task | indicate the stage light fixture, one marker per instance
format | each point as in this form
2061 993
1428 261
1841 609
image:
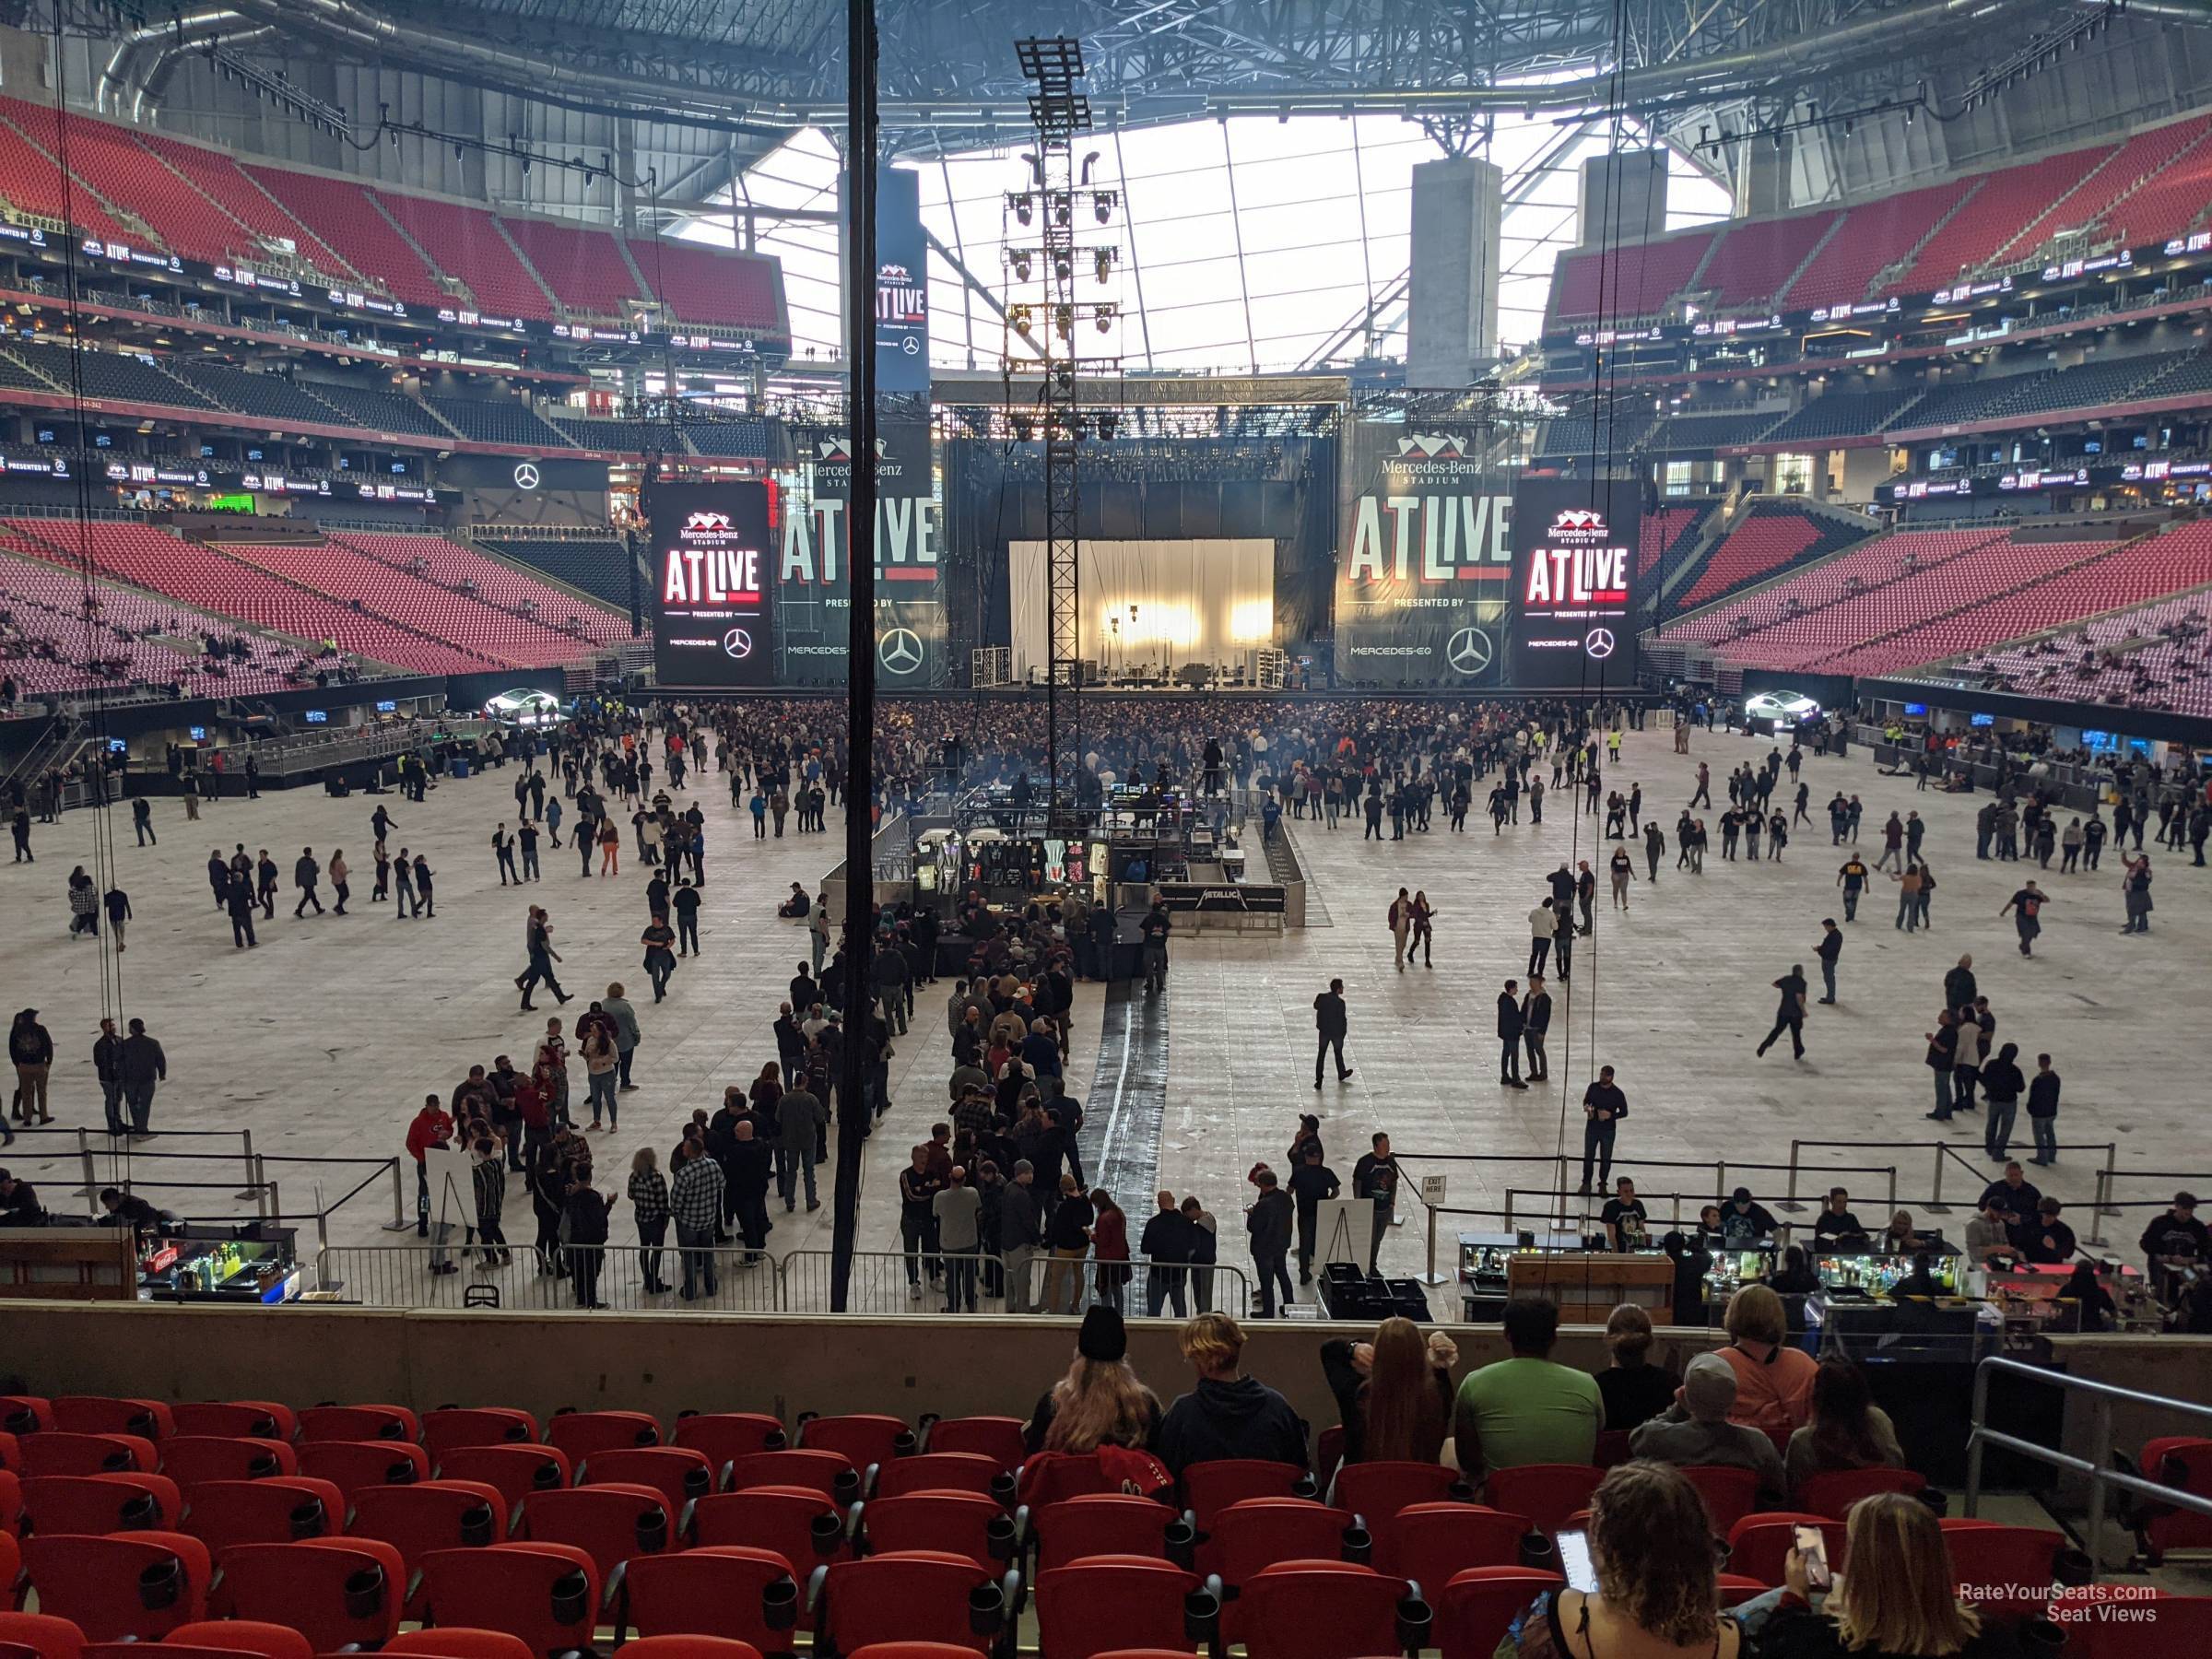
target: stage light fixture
1025 207
1020 318
1061 208
1063 376
1108 421
1101 263
1021 266
1105 316
1064 322
1064 267
1102 204
1022 428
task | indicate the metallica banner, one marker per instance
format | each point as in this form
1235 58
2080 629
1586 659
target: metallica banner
712 600
813 582
1574 564
1424 561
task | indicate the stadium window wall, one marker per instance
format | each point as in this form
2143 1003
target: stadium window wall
1244 245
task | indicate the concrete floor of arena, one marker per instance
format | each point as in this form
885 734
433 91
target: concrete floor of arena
323 1040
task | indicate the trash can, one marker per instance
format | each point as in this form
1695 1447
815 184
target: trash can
459 766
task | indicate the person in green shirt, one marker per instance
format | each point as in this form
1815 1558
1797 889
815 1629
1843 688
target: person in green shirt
1525 1409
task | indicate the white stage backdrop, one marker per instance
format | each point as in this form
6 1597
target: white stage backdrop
1196 602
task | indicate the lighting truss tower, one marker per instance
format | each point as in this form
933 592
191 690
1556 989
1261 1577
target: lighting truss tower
1045 317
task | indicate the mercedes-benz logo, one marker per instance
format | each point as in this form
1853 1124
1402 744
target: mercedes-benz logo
900 651
525 475
1469 651
1598 643
737 643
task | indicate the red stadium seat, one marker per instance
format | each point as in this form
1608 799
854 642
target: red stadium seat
514 1472
942 1471
1834 1492
360 1423
332 1591
223 1513
42 1634
1432 1543
688 1647
2156 1630
1612 1449
1329 1610
1051 1476
100 1413
609 1523
2008 1572
248 1635
965 1524
348 1465
1248 1538
1210 1488
1328 1455
546 1595
1120 1603
916 1595
244 1419
680 1474
11 1502
139 1586
61 1451
728 1591
26 1414
1115 1524
100 1503
11 1454
1474 1607
863 1438
910 1650
11 1570
2183 1462
1760 1543
445 1642
451 1426
1545 1493
727 1435
1730 1494
432 1514
581 1433
799 1524
1375 1492
996 1437
827 1472
1734 1587
188 1459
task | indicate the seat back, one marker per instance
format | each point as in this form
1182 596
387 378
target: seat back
351 1465
1323 1610
1432 1543
444 1642
2006 1572
1760 1543
2183 1462
11 1453
829 1473
137 1585
1102 1524
247 1419
433 1515
451 1426
680 1474
1832 1492
514 1472
1730 1494
26 1414
1111 1603
1210 1488
581 1433
1545 1493
1375 1492
1328 1455
1259 1532
688 1647
360 1423
42 1634
996 1437
221 1513
797 1522
188 1459
65 1451
210 1648
609 1523
911 1596
963 1523
941 1472
11 1502
335 1591
2158 1636
1476 1605
547 1595
101 1414
725 1435
727 1591
100 1503
863 1438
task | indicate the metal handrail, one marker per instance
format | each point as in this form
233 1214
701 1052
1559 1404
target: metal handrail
2102 1395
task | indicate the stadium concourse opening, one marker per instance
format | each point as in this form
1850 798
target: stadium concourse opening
733 688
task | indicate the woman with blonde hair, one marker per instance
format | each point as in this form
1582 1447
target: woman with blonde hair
1773 1383
1653 1548
1100 1402
1394 1393
1897 1601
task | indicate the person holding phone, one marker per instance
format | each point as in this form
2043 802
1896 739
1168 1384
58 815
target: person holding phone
1895 1600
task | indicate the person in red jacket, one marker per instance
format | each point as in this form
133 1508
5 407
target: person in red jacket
431 1127
1110 1248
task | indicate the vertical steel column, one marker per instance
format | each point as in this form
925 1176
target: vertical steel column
860 708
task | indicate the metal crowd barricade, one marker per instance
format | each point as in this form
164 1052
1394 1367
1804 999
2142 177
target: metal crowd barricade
407 1275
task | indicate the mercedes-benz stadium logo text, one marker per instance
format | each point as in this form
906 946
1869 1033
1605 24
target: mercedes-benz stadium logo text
737 643
1469 651
1598 643
900 651
525 475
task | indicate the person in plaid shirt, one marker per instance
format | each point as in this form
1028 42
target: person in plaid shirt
695 1200
649 1199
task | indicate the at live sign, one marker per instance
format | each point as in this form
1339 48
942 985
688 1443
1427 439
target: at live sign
1577 576
710 575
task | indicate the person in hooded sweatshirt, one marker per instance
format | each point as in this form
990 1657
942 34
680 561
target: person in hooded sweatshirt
1229 1414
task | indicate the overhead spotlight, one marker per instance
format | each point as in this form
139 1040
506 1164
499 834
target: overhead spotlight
457 152
1105 315
1025 207
1108 421
1101 263
1022 428
1064 267
1064 320
1909 109
1063 376
1778 141
525 164
1846 126
1061 208
1021 265
1704 137
1102 204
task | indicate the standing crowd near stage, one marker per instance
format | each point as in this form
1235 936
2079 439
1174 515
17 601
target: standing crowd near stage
995 1201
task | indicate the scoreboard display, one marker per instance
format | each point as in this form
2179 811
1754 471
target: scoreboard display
713 587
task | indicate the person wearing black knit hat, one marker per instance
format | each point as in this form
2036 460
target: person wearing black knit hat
1100 1402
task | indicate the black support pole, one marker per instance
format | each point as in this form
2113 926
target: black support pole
853 1111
